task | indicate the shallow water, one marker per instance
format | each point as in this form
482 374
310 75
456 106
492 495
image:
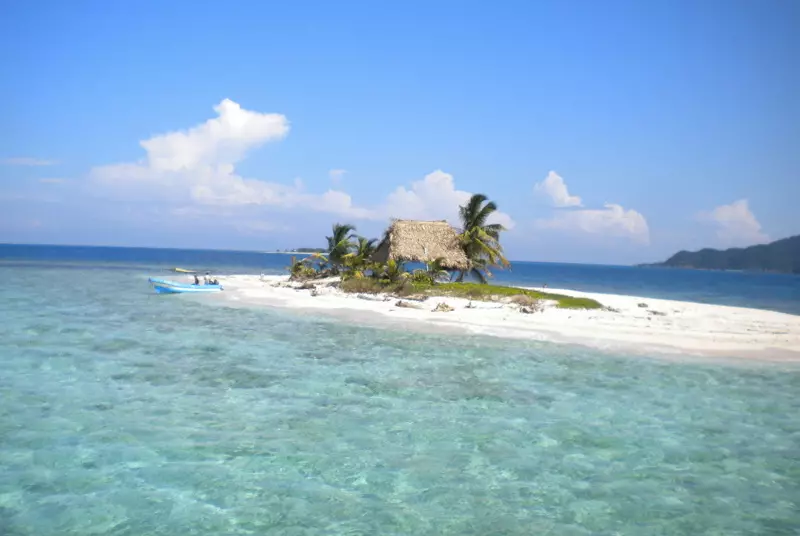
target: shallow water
129 413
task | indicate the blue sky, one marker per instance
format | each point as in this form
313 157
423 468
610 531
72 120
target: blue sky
607 132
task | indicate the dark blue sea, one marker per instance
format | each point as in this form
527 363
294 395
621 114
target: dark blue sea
126 413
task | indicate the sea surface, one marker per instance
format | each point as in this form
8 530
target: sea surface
123 412
778 292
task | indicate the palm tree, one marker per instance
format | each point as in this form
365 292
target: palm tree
393 271
365 248
359 259
340 243
436 271
481 241
433 272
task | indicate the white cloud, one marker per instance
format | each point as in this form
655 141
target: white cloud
336 175
553 186
612 220
220 141
435 197
197 167
27 161
736 224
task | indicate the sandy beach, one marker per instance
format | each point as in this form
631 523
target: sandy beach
627 323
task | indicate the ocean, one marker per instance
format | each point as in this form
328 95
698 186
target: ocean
777 292
129 413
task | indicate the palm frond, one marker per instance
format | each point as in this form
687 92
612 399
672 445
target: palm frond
483 214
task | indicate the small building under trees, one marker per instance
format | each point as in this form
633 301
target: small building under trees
422 241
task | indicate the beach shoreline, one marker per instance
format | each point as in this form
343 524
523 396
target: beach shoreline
626 323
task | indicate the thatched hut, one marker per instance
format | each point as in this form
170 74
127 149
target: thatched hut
422 241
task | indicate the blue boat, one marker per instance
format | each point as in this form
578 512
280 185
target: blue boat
162 286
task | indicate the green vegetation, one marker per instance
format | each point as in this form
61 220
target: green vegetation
358 260
350 256
779 256
370 285
481 241
471 291
340 244
476 291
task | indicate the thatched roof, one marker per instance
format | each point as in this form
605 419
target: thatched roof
422 241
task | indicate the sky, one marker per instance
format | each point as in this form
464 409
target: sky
610 132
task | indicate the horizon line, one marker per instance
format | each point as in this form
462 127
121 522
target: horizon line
264 252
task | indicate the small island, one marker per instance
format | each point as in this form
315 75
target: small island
378 266
417 275
301 250
781 256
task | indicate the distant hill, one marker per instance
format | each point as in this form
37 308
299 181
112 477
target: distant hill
779 256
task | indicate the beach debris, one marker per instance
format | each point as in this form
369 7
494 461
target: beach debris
527 310
373 297
314 292
527 302
408 305
643 305
443 308
470 306
612 310
657 313
307 286
523 299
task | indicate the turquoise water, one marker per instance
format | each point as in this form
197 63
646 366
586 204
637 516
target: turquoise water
128 413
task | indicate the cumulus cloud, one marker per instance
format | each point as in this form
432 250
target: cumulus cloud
220 141
736 224
553 186
435 197
26 161
336 175
197 167
612 220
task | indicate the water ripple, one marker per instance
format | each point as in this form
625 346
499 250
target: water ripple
142 415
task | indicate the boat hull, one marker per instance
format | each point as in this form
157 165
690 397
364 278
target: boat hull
162 286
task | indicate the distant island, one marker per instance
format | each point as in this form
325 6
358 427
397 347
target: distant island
303 250
779 256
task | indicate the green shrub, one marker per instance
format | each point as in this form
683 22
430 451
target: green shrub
301 271
421 276
362 285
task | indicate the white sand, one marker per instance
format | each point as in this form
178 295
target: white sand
686 328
